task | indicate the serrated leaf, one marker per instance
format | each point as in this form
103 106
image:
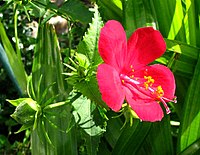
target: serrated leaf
89 45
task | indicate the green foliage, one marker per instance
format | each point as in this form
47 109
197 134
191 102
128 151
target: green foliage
111 9
83 78
69 116
89 45
190 120
131 136
12 62
25 111
83 112
76 10
84 109
47 70
137 14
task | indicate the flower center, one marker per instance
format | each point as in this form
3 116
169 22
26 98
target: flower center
145 88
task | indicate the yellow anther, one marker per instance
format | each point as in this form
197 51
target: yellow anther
132 76
149 79
160 91
146 85
132 70
123 81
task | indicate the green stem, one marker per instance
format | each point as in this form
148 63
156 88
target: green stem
69 35
16 32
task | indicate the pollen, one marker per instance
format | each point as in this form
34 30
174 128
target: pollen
146 85
159 91
132 76
123 81
149 81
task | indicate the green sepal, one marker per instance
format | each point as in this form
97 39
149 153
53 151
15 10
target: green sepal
23 127
16 102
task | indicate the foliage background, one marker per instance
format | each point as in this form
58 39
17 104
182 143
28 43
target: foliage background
178 21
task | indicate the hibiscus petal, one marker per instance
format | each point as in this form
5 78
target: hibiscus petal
147 110
162 77
113 44
110 86
144 46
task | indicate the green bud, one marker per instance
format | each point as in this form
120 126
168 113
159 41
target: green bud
24 112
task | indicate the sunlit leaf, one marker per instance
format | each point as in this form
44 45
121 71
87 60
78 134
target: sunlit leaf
190 123
89 45
111 9
12 63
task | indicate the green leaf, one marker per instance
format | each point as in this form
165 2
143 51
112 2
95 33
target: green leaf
47 65
83 111
190 123
111 9
92 144
47 80
76 10
194 148
89 45
90 89
170 19
191 22
132 138
37 10
12 63
159 139
113 129
82 61
83 115
186 57
138 14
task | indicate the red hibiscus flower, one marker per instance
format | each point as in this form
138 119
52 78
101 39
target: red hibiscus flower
125 74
